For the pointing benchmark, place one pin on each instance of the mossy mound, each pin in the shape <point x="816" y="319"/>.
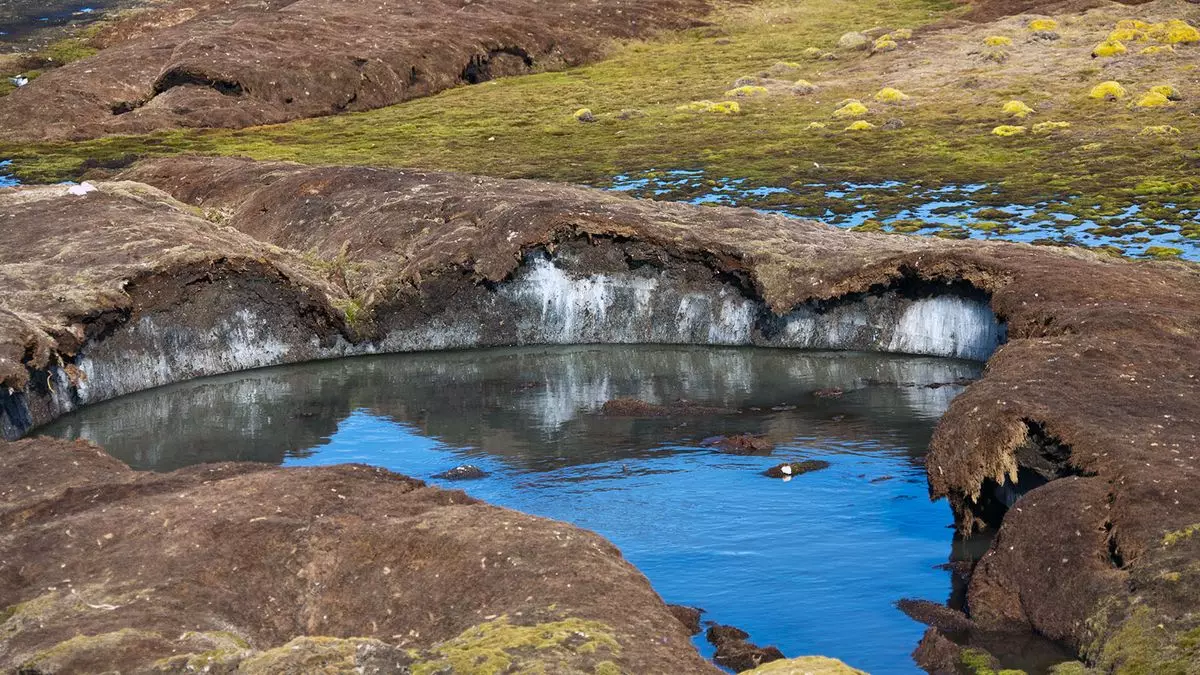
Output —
<point x="1008" y="130"/>
<point x="997" y="41"/>
<point x="1017" y="109"/>
<point x="1048" y="127"/>
<point x="1154" y="99"/>
<point x="850" y="108"/>
<point x="891" y="95"/>
<point x="498" y="646"/>
<point x="1108" y="49"/>
<point x="860" y="125"/>
<point x="1109" y="90"/>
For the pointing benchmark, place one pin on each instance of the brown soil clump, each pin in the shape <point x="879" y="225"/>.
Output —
<point x="223" y="565"/>
<point x="244" y="63"/>
<point x="735" y="652"/>
<point x="742" y="444"/>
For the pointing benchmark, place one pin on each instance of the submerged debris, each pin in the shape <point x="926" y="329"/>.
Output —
<point x="463" y="472"/>
<point x="789" y="470"/>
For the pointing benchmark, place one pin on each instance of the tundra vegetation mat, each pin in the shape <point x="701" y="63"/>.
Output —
<point x="1074" y="448"/>
<point x="1020" y="110"/>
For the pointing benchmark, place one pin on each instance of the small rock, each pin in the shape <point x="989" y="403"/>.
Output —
<point x="584" y="115"/>
<point x="831" y="392"/>
<point x="936" y="615"/>
<point x="630" y="113"/>
<point x="688" y="616"/>
<point x="893" y="124"/>
<point x="464" y="472"/>
<point x="793" y="469"/>
<point x="853" y="40"/>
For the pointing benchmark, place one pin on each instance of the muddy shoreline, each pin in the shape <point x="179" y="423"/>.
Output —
<point x="1093" y="390"/>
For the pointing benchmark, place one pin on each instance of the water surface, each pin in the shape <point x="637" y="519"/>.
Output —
<point x="812" y="565"/>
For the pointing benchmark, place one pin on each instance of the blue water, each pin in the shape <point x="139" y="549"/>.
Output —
<point x="953" y="208"/>
<point x="7" y="179"/>
<point x="812" y="565"/>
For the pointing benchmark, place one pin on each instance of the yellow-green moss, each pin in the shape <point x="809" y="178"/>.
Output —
<point x="1172" y="538"/>
<point x="1167" y="90"/>
<point x="60" y="655"/>
<point x="902" y="34"/>
<point x="1108" y="49"/>
<point x="1160" y="130"/>
<point x="67" y="50"/>
<point x="1008" y="130"/>
<point x="606" y="668"/>
<point x="747" y="91"/>
<point x="1109" y="90"/>
<point x="1017" y="109"/>
<point x="1158" y="49"/>
<point x="1174" y="31"/>
<point x="498" y="646"/>
<point x="997" y="41"/>
<point x="808" y="665"/>
<point x="891" y="95"/>
<point x="860" y="125"/>
<point x="1143" y="645"/>
<point x="850" y="108"/>
<point x="812" y="53"/>
<point x="309" y="655"/>
<point x="1043" y="25"/>
<point x="1154" y="99"/>
<point x="1047" y="127"/>
<point x="884" y="43"/>
<point x="720" y="107"/>
<point x="816" y="126"/>
<point x="584" y="115"/>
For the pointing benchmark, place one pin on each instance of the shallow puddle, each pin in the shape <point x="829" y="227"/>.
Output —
<point x="812" y="565"/>
<point x="1163" y="223"/>
<point x="23" y="19"/>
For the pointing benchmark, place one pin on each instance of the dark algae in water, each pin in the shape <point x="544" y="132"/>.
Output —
<point x="534" y="428"/>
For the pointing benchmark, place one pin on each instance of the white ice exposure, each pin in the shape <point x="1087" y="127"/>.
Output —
<point x="167" y="354"/>
<point x="560" y="308"/>
<point x="948" y="325"/>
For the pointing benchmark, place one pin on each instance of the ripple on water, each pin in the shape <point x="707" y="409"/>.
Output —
<point x="1131" y="225"/>
<point x="813" y="565"/>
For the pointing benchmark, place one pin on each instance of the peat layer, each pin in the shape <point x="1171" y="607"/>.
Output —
<point x="214" y="63"/>
<point x="1078" y="442"/>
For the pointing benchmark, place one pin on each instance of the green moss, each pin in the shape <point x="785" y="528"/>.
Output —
<point x="1069" y="668"/>
<point x="63" y="653"/>
<point x="310" y="655"/>
<point x="607" y="668"/>
<point x="499" y="646"/>
<point x="1144" y="645"/>
<point x="67" y="50"/>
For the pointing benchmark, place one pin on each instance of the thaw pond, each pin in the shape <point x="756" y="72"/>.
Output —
<point x="1161" y="220"/>
<point x="812" y="565"/>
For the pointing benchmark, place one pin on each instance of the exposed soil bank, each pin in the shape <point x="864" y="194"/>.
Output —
<point x="246" y="557"/>
<point x="1093" y="400"/>
<point x="203" y="63"/>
